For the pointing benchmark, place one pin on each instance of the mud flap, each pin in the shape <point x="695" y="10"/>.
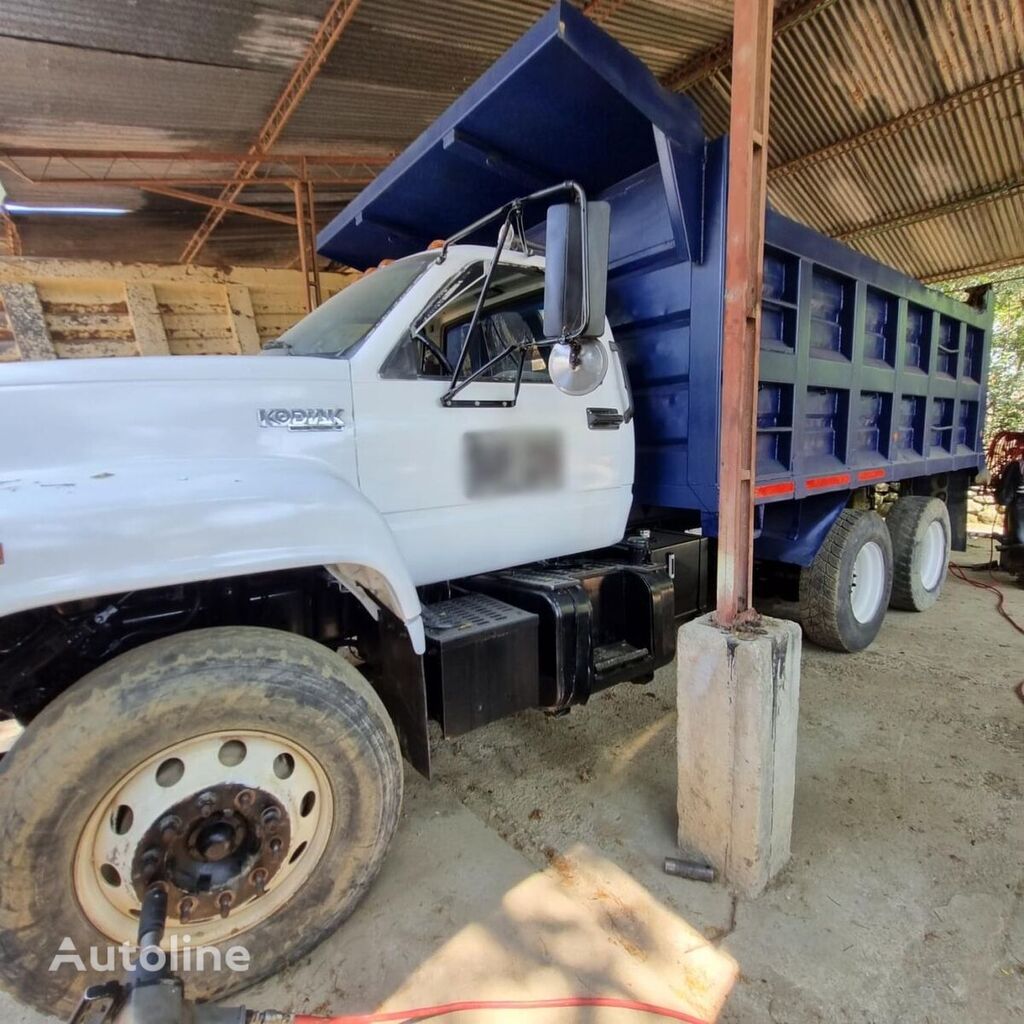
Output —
<point x="401" y="685"/>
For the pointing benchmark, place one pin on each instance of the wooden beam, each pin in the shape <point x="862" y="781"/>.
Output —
<point x="744" y="268"/>
<point x="221" y="205"/>
<point x="242" y="319"/>
<point x="147" y="323"/>
<point x="26" y="269"/>
<point x="704" y="65"/>
<point x="27" y="322"/>
<point x="11" y="236"/>
<point x="334" y="23"/>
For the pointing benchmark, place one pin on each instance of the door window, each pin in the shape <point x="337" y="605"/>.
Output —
<point x="513" y="315"/>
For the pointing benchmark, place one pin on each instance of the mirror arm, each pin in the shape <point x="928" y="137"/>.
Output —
<point x="581" y="199"/>
<point x="474" y="322"/>
<point x="448" y="398"/>
<point x="506" y="210"/>
<point x="519" y="375"/>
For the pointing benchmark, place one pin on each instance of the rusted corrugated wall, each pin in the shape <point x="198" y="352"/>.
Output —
<point x="67" y="309"/>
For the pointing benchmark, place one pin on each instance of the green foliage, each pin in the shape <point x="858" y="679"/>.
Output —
<point x="1006" y="369"/>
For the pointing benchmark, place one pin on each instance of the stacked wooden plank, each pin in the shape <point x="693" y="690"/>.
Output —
<point x="66" y="309"/>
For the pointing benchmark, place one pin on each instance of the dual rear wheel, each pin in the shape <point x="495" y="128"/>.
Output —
<point x="867" y="564"/>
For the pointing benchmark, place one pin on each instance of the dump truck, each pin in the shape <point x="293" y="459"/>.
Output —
<point x="480" y="480"/>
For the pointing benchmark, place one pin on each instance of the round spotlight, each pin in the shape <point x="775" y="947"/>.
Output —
<point x="577" y="369"/>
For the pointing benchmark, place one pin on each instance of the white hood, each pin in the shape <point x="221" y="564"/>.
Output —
<point x="87" y="415"/>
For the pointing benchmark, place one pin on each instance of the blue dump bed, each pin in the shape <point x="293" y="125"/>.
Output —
<point x="866" y="374"/>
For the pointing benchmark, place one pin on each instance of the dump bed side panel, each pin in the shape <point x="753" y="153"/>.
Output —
<point x="866" y="375"/>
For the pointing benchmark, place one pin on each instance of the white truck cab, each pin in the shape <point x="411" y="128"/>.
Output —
<point x="488" y="483"/>
<point x="431" y="474"/>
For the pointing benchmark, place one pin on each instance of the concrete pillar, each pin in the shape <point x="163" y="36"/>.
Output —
<point x="738" y="696"/>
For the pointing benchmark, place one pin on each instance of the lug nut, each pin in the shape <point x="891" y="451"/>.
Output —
<point x="259" y="880"/>
<point x="225" y="901"/>
<point x="170" y="828"/>
<point x="185" y="908"/>
<point x="206" y="802"/>
<point x="270" y="816"/>
<point x="244" y="799"/>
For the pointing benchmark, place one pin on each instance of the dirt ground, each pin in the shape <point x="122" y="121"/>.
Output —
<point x="532" y="865"/>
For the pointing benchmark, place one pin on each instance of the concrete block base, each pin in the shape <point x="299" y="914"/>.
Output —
<point x="738" y="696"/>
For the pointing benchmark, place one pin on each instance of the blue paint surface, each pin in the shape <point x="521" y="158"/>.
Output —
<point x="862" y="368"/>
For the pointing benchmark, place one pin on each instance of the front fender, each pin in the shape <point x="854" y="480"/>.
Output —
<point x="68" y="535"/>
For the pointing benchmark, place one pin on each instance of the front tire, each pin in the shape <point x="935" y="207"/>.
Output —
<point x="920" y="532"/>
<point x="845" y="591"/>
<point x="239" y="761"/>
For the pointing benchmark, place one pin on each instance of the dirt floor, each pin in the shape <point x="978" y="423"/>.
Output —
<point x="532" y="865"/>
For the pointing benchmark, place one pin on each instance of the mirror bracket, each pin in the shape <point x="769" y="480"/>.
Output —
<point x="511" y="216"/>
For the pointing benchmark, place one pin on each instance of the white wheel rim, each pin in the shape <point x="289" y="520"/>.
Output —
<point x="933" y="555"/>
<point x="867" y="582"/>
<point x="111" y="842"/>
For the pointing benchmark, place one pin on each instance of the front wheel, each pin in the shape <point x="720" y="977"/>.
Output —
<point x="254" y="773"/>
<point x="845" y="591"/>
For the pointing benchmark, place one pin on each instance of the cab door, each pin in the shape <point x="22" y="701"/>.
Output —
<point x="487" y="484"/>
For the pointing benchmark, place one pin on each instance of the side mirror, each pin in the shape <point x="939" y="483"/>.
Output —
<point x="576" y="281"/>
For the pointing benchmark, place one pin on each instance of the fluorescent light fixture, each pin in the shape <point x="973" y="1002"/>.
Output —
<point x="68" y="211"/>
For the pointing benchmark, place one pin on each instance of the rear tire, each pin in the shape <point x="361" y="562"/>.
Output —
<point x="845" y="591"/>
<point x="921" y="534"/>
<point x="274" y="706"/>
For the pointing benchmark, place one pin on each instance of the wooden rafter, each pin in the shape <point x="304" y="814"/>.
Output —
<point x="11" y="237"/>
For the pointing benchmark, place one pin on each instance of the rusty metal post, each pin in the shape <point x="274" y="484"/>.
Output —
<point x="311" y="228"/>
<point x="300" y="224"/>
<point x="306" y="231"/>
<point x="744" y="266"/>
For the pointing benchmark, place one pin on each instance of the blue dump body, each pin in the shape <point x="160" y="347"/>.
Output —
<point x="866" y="375"/>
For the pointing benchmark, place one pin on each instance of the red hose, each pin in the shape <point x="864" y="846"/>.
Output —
<point x="958" y="572"/>
<point x="442" y="1009"/>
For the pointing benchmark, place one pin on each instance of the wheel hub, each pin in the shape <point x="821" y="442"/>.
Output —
<point x="867" y="582"/>
<point x="232" y="824"/>
<point x="215" y="850"/>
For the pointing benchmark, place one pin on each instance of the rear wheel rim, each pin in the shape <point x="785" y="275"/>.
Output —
<point x="867" y="582"/>
<point x="235" y="824"/>
<point x="933" y="555"/>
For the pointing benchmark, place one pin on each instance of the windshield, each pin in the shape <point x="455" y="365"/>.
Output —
<point x="345" y="319"/>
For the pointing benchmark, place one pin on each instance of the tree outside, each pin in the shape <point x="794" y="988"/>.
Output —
<point x="1006" y="372"/>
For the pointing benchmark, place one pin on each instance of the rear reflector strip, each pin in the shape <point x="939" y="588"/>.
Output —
<point x="818" y="483"/>
<point x="871" y="474"/>
<point x="773" y="490"/>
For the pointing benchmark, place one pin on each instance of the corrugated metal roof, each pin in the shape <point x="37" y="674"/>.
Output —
<point x="189" y="74"/>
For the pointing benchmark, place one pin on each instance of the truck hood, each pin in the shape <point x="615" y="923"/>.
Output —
<point x="85" y="417"/>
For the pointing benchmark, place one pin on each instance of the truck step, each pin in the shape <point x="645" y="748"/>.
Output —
<point x="612" y="657"/>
